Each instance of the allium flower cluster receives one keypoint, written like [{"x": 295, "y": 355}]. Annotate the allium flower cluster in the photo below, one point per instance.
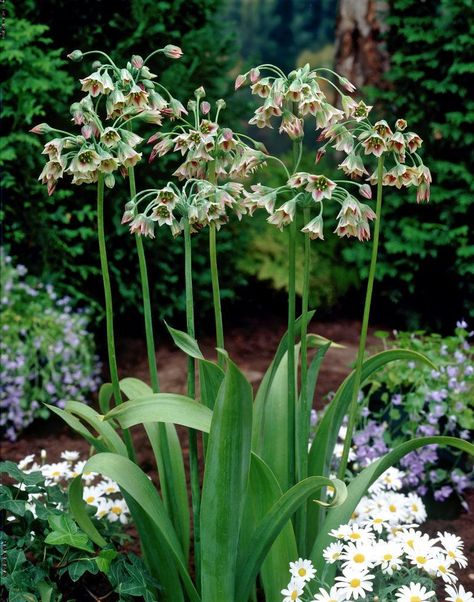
[
  {"x": 380, "y": 554},
  {"x": 199, "y": 202},
  {"x": 47, "y": 353},
  {"x": 99, "y": 492},
  {"x": 210, "y": 151},
  {"x": 105, "y": 143}
]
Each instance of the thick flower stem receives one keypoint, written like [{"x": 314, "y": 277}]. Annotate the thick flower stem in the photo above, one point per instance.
[
  {"x": 304, "y": 406},
  {"x": 365, "y": 325},
  {"x": 291, "y": 353},
  {"x": 193, "y": 448},
  {"x": 215, "y": 291},
  {"x": 150, "y": 341},
  {"x": 109, "y": 318}
]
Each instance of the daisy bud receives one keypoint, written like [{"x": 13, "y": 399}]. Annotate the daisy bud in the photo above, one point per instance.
[
  {"x": 401, "y": 124},
  {"x": 346, "y": 84},
  {"x": 366, "y": 191},
  {"x": 205, "y": 107},
  {"x": 254, "y": 75},
  {"x": 200, "y": 92},
  {"x": 43, "y": 454},
  {"x": 137, "y": 61},
  {"x": 172, "y": 52},
  {"x": 240, "y": 81},
  {"x": 75, "y": 55},
  {"x": 41, "y": 128},
  {"x": 221, "y": 104}
]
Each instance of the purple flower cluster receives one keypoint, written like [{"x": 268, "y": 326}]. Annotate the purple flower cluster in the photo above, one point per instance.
[
  {"x": 46, "y": 353},
  {"x": 369, "y": 443}
]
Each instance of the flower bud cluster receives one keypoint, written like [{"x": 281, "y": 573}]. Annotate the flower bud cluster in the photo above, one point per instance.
[
  {"x": 130, "y": 93},
  {"x": 206, "y": 143},
  {"x": 199, "y": 201}
]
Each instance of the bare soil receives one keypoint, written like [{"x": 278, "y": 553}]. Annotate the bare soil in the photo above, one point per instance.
[{"x": 252, "y": 346}]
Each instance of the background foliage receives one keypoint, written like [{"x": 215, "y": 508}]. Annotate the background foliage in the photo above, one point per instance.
[{"x": 426, "y": 263}]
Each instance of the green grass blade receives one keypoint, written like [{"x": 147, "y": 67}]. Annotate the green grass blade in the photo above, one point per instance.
[
  {"x": 225, "y": 484},
  {"x": 360, "y": 484},
  {"x": 272, "y": 524},
  {"x": 322, "y": 450},
  {"x": 162, "y": 407},
  {"x": 137, "y": 486}
]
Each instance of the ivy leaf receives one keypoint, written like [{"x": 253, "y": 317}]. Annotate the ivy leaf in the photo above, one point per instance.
[
  {"x": 83, "y": 565},
  {"x": 12, "y": 470},
  {"x": 17, "y": 507},
  {"x": 66, "y": 532}
]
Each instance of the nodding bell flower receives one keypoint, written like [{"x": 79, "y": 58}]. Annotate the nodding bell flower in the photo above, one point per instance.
[
  {"x": 374, "y": 144},
  {"x": 314, "y": 228},
  {"x": 143, "y": 225},
  {"x": 284, "y": 215},
  {"x": 353, "y": 166},
  {"x": 320, "y": 187},
  {"x": 291, "y": 125}
]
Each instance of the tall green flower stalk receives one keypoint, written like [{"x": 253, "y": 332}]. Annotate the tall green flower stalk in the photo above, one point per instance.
[
  {"x": 365, "y": 324},
  {"x": 109, "y": 308},
  {"x": 193, "y": 447},
  {"x": 216, "y": 296}
]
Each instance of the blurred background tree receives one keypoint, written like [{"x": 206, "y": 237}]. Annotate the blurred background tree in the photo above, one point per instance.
[{"x": 416, "y": 61}]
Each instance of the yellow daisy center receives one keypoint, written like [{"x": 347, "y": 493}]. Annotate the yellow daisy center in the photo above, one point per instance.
[
  {"x": 415, "y": 599},
  {"x": 452, "y": 555},
  {"x": 392, "y": 508},
  {"x": 294, "y": 595},
  {"x": 410, "y": 543},
  {"x": 414, "y": 507},
  {"x": 387, "y": 557},
  {"x": 354, "y": 583},
  {"x": 421, "y": 559},
  {"x": 56, "y": 473},
  {"x": 354, "y": 535},
  {"x": 301, "y": 572},
  {"x": 90, "y": 499},
  {"x": 359, "y": 558},
  {"x": 377, "y": 521},
  {"x": 116, "y": 510}
]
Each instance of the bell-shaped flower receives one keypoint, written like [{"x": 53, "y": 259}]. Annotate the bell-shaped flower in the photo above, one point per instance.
[{"x": 314, "y": 228}]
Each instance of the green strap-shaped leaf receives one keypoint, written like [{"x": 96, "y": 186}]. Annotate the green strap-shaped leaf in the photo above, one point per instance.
[
  {"x": 109, "y": 436},
  {"x": 169, "y": 461},
  {"x": 225, "y": 484},
  {"x": 263, "y": 492},
  {"x": 162, "y": 407},
  {"x": 360, "y": 484},
  {"x": 137, "y": 485},
  {"x": 210, "y": 379},
  {"x": 272, "y": 524},
  {"x": 322, "y": 450},
  {"x": 106, "y": 392},
  {"x": 77, "y": 426},
  {"x": 77, "y": 506},
  {"x": 185, "y": 342}
]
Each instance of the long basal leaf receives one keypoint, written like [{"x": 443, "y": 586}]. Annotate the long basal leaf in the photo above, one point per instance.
[
  {"x": 185, "y": 342},
  {"x": 162, "y": 407},
  {"x": 361, "y": 483},
  {"x": 79, "y": 512},
  {"x": 225, "y": 484},
  {"x": 272, "y": 524},
  {"x": 138, "y": 486},
  {"x": 322, "y": 449},
  {"x": 77, "y": 426},
  {"x": 169, "y": 460}
]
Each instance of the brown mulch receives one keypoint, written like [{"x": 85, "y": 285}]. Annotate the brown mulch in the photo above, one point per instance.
[{"x": 252, "y": 346}]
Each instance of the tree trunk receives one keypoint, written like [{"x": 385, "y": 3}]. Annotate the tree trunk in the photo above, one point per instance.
[{"x": 360, "y": 53}]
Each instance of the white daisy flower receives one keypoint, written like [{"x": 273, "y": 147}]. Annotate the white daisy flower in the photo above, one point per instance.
[
  {"x": 356, "y": 533},
  {"x": 333, "y": 552},
  {"x": 357, "y": 556},
  {"x": 27, "y": 460},
  {"x": 91, "y": 495},
  {"x": 411, "y": 537},
  {"x": 103, "y": 507},
  {"x": 334, "y": 595},
  {"x": 416, "y": 508},
  {"x": 55, "y": 472},
  {"x": 340, "y": 532},
  {"x": 439, "y": 566},
  {"x": 414, "y": 592},
  {"x": 70, "y": 456},
  {"x": 88, "y": 476},
  {"x": 354, "y": 584},
  {"x": 392, "y": 478},
  {"x": 389, "y": 556},
  {"x": 421, "y": 554},
  {"x": 118, "y": 511},
  {"x": 453, "y": 545},
  {"x": 108, "y": 487},
  {"x": 303, "y": 569},
  {"x": 458, "y": 594},
  {"x": 293, "y": 591}
]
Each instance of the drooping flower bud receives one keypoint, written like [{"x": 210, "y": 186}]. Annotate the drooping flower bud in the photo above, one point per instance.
[
  {"x": 96, "y": 64},
  {"x": 260, "y": 147},
  {"x": 205, "y": 107},
  {"x": 87, "y": 131},
  {"x": 75, "y": 55},
  {"x": 254, "y": 75},
  {"x": 366, "y": 191},
  {"x": 346, "y": 84},
  {"x": 41, "y": 128},
  {"x": 172, "y": 52},
  {"x": 221, "y": 104},
  {"x": 109, "y": 180},
  {"x": 200, "y": 92},
  {"x": 320, "y": 154},
  {"x": 137, "y": 61},
  {"x": 240, "y": 81}
]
